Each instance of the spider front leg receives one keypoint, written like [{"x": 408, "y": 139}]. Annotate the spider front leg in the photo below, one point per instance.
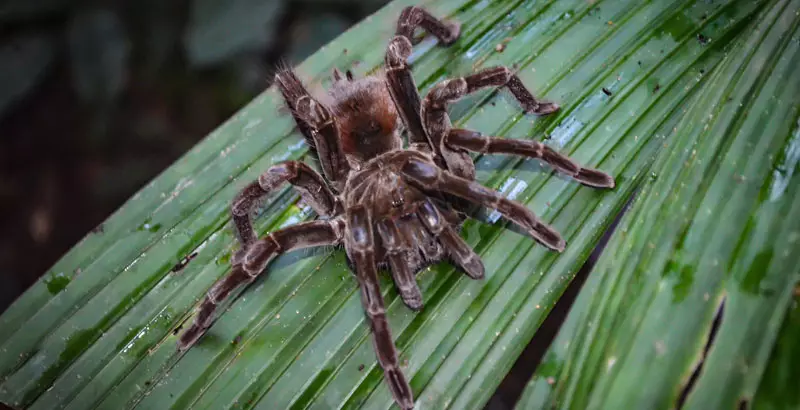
[
  {"x": 317, "y": 125},
  {"x": 360, "y": 246},
  {"x": 434, "y": 106},
  {"x": 428, "y": 176},
  {"x": 308, "y": 182},
  {"x": 402, "y": 87},
  {"x": 474, "y": 141},
  {"x": 257, "y": 257}
]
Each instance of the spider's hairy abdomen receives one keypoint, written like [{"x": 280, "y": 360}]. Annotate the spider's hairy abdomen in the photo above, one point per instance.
[{"x": 366, "y": 117}]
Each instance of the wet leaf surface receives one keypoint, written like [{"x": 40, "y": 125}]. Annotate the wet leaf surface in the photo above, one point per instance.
[{"x": 296, "y": 338}]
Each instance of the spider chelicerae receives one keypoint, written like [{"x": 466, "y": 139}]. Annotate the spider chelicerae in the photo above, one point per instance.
[{"x": 391, "y": 207}]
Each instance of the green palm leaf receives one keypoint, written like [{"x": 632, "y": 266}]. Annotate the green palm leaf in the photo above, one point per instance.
[
  {"x": 686, "y": 302},
  {"x": 99, "y": 330}
]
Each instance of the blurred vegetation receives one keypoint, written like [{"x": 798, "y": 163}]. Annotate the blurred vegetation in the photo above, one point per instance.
[{"x": 97, "y": 98}]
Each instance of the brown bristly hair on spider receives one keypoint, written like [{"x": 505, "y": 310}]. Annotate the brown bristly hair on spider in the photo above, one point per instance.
[{"x": 393, "y": 207}]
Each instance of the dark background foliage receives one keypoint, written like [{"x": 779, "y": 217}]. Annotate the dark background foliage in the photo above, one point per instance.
[{"x": 97, "y": 98}]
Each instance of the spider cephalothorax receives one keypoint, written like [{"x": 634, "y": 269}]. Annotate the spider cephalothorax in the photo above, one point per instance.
[{"x": 391, "y": 207}]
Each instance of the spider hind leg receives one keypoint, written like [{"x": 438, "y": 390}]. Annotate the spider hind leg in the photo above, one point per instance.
[
  {"x": 256, "y": 258},
  {"x": 474, "y": 141}
]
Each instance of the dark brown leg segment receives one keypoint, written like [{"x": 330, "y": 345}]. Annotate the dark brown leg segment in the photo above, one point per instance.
[
  {"x": 462, "y": 254},
  {"x": 430, "y": 177},
  {"x": 316, "y": 124},
  {"x": 398, "y": 74},
  {"x": 258, "y": 255},
  {"x": 311, "y": 185},
  {"x": 413, "y": 17},
  {"x": 474, "y": 141},
  {"x": 434, "y": 106},
  {"x": 360, "y": 246},
  {"x": 398, "y": 252},
  {"x": 458, "y": 250},
  {"x": 437, "y": 121},
  {"x": 451, "y": 90}
]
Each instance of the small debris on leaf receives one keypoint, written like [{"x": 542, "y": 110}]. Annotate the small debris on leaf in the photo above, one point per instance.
[
  {"x": 500, "y": 47},
  {"x": 185, "y": 261}
]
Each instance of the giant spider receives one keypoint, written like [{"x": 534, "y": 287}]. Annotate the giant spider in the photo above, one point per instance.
[{"x": 391, "y": 207}]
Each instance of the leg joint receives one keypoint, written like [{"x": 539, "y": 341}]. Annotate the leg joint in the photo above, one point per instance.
[
  {"x": 409, "y": 19},
  {"x": 467, "y": 139},
  {"x": 259, "y": 255},
  {"x": 277, "y": 174},
  {"x": 425, "y": 173},
  {"x": 397, "y": 53},
  {"x": 447, "y": 91},
  {"x": 490, "y": 77}
]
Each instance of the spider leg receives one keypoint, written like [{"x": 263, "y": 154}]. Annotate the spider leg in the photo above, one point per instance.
[
  {"x": 398, "y": 73},
  {"x": 434, "y": 105},
  {"x": 360, "y": 246},
  {"x": 458, "y": 250},
  {"x": 398, "y": 254},
  {"x": 316, "y": 124},
  {"x": 474, "y": 141},
  {"x": 430, "y": 177},
  {"x": 453, "y": 89},
  {"x": 308, "y": 182},
  {"x": 412, "y": 17},
  {"x": 259, "y": 254},
  {"x": 437, "y": 121},
  {"x": 426, "y": 242}
]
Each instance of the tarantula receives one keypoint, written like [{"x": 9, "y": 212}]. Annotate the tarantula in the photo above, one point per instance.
[{"x": 391, "y": 207}]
